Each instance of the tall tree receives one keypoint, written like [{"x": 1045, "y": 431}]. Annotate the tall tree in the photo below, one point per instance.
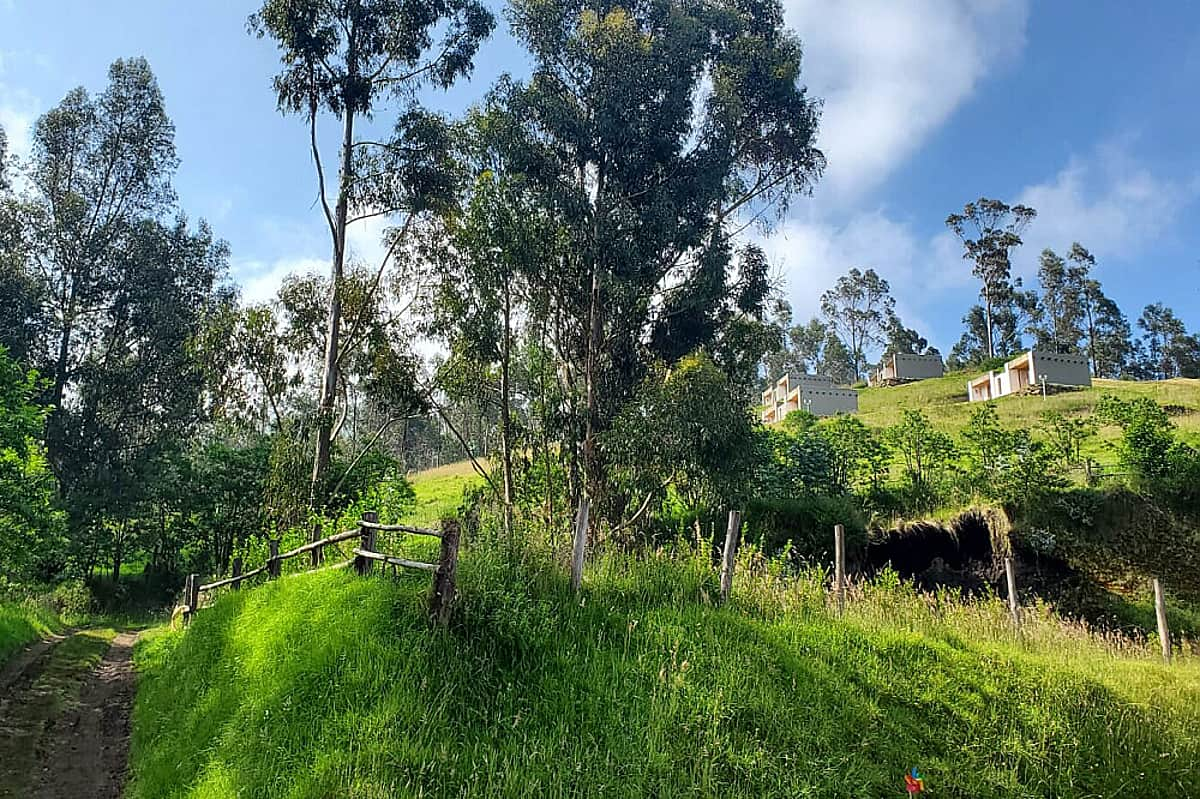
[
  {"x": 654, "y": 133},
  {"x": 858, "y": 309},
  {"x": 99, "y": 165},
  {"x": 1057, "y": 323},
  {"x": 1011, "y": 310},
  {"x": 1171, "y": 351},
  {"x": 345, "y": 58},
  {"x": 800, "y": 345},
  {"x": 904, "y": 340},
  {"x": 1105, "y": 329},
  {"x": 989, "y": 230}
]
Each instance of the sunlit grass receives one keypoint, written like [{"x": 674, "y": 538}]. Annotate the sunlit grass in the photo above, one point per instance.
[
  {"x": 333, "y": 685},
  {"x": 22, "y": 621}
]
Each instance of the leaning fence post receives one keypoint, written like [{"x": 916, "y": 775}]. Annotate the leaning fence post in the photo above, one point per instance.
[
  {"x": 273, "y": 558},
  {"x": 1014, "y": 607},
  {"x": 237, "y": 571},
  {"x": 366, "y": 542},
  {"x": 1160, "y": 611},
  {"x": 317, "y": 554},
  {"x": 839, "y": 566},
  {"x": 442, "y": 596},
  {"x": 732, "y": 534},
  {"x": 580, "y": 544}
]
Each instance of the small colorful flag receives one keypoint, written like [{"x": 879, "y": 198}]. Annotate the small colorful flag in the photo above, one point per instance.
[{"x": 913, "y": 782}]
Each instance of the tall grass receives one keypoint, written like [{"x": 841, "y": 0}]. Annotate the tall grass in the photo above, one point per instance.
[
  {"x": 22, "y": 621},
  {"x": 332, "y": 685}
]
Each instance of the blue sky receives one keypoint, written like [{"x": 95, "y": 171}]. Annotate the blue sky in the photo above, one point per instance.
[{"x": 1089, "y": 111}]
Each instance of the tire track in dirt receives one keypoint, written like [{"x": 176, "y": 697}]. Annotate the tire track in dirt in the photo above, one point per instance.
[{"x": 65, "y": 719}]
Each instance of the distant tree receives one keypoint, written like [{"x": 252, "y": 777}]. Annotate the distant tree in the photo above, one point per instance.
[
  {"x": 858, "y": 309},
  {"x": 989, "y": 230},
  {"x": 905, "y": 340},
  {"x": 1011, "y": 308},
  {"x": 1058, "y": 318},
  {"x": 1171, "y": 351},
  {"x": 1105, "y": 329},
  {"x": 799, "y": 345},
  {"x": 344, "y": 58},
  {"x": 836, "y": 361}
]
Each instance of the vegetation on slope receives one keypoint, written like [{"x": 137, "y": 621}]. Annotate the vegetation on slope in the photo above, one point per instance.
[
  {"x": 329, "y": 684},
  {"x": 22, "y": 621},
  {"x": 944, "y": 401}
]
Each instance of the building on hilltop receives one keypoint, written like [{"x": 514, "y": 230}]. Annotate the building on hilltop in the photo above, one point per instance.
[
  {"x": 1031, "y": 371},
  {"x": 813, "y": 393},
  {"x": 902, "y": 367}
]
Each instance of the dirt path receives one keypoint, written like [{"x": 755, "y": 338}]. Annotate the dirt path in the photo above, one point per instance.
[{"x": 64, "y": 717}]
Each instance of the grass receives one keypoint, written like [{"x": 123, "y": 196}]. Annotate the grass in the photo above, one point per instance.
[
  {"x": 332, "y": 685},
  {"x": 944, "y": 400},
  {"x": 439, "y": 491},
  {"x": 22, "y": 621}
]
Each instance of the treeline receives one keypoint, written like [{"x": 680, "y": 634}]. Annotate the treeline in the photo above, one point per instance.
[{"x": 1067, "y": 313}]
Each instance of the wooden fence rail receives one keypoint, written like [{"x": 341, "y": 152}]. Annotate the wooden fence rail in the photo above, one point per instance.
[{"x": 365, "y": 554}]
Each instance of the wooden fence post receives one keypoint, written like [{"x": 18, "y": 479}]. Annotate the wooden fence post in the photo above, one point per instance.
[
  {"x": 237, "y": 571},
  {"x": 318, "y": 553},
  {"x": 367, "y": 542},
  {"x": 1014, "y": 606},
  {"x": 187, "y": 597},
  {"x": 732, "y": 534},
  {"x": 273, "y": 559},
  {"x": 1160, "y": 611},
  {"x": 839, "y": 566},
  {"x": 580, "y": 545},
  {"x": 442, "y": 596}
]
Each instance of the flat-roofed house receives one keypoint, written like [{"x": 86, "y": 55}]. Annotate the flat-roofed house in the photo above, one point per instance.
[
  {"x": 902, "y": 367},
  {"x": 1030, "y": 370},
  {"x": 814, "y": 393}
]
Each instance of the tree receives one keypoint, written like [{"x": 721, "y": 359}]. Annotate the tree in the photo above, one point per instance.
[
  {"x": 1011, "y": 308},
  {"x": 904, "y": 340},
  {"x": 926, "y": 454},
  {"x": 1103, "y": 326},
  {"x": 345, "y": 58},
  {"x": 99, "y": 165},
  {"x": 799, "y": 345},
  {"x": 989, "y": 230},
  {"x": 858, "y": 308},
  {"x": 1057, "y": 323},
  {"x": 654, "y": 134},
  {"x": 1171, "y": 351}
]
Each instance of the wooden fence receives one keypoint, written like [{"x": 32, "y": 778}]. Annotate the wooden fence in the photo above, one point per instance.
[{"x": 366, "y": 554}]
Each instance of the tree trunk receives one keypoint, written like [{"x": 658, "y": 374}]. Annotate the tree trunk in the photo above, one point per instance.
[
  {"x": 987, "y": 315},
  {"x": 333, "y": 329},
  {"x": 506, "y": 414}
]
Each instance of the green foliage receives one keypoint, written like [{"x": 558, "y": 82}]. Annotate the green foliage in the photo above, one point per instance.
[
  {"x": 32, "y": 528},
  {"x": 23, "y": 620},
  {"x": 1009, "y": 466},
  {"x": 328, "y": 684},
  {"x": 926, "y": 454}
]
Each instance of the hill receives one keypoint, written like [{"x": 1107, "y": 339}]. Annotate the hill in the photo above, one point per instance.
[
  {"x": 944, "y": 400},
  {"x": 328, "y": 684}
]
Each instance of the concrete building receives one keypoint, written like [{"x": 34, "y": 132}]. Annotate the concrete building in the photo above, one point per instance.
[
  {"x": 905, "y": 368},
  {"x": 813, "y": 393},
  {"x": 1029, "y": 371}
]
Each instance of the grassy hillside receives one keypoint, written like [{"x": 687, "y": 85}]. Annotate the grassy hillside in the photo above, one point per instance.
[
  {"x": 439, "y": 491},
  {"x": 22, "y": 621},
  {"x": 332, "y": 685},
  {"x": 944, "y": 400}
]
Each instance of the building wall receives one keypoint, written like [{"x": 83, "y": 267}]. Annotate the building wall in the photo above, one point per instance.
[
  {"x": 1061, "y": 370},
  {"x": 917, "y": 367},
  {"x": 791, "y": 393},
  {"x": 829, "y": 401}
]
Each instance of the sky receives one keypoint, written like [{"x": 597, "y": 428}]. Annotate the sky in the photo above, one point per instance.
[{"x": 1087, "y": 110}]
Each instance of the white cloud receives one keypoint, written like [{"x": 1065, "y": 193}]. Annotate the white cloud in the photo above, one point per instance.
[
  {"x": 892, "y": 72},
  {"x": 1110, "y": 202}
]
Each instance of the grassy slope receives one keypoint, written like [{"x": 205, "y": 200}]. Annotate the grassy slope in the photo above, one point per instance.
[
  {"x": 332, "y": 685},
  {"x": 22, "y": 622},
  {"x": 439, "y": 491},
  {"x": 944, "y": 400}
]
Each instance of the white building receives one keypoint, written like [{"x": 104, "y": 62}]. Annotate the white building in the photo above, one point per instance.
[
  {"x": 813, "y": 393},
  {"x": 1029, "y": 371},
  {"x": 905, "y": 368}
]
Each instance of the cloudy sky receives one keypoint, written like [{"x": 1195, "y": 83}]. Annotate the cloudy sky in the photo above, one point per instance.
[{"x": 1087, "y": 110}]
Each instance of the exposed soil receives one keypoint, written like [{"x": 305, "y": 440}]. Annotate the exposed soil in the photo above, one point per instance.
[{"x": 64, "y": 717}]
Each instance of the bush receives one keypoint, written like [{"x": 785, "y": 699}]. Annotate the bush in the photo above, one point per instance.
[
  {"x": 71, "y": 599},
  {"x": 806, "y": 522}
]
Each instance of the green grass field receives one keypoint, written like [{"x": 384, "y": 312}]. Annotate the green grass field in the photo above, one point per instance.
[
  {"x": 944, "y": 401},
  {"x": 333, "y": 685},
  {"x": 439, "y": 491}
]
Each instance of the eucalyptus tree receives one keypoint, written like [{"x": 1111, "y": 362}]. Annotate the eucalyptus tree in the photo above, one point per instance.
[
  {"x": 858, "y": 308},
  {"x": 1058, "y": 318},
  {"x": 989, "y": 230},
  {"x": 347, "y": 58},
  {"x": 99, "y": 166},
  {"x": 655, "y": 133}
]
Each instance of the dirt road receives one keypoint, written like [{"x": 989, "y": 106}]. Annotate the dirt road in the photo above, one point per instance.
[{"x": 64, "y": 717}]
